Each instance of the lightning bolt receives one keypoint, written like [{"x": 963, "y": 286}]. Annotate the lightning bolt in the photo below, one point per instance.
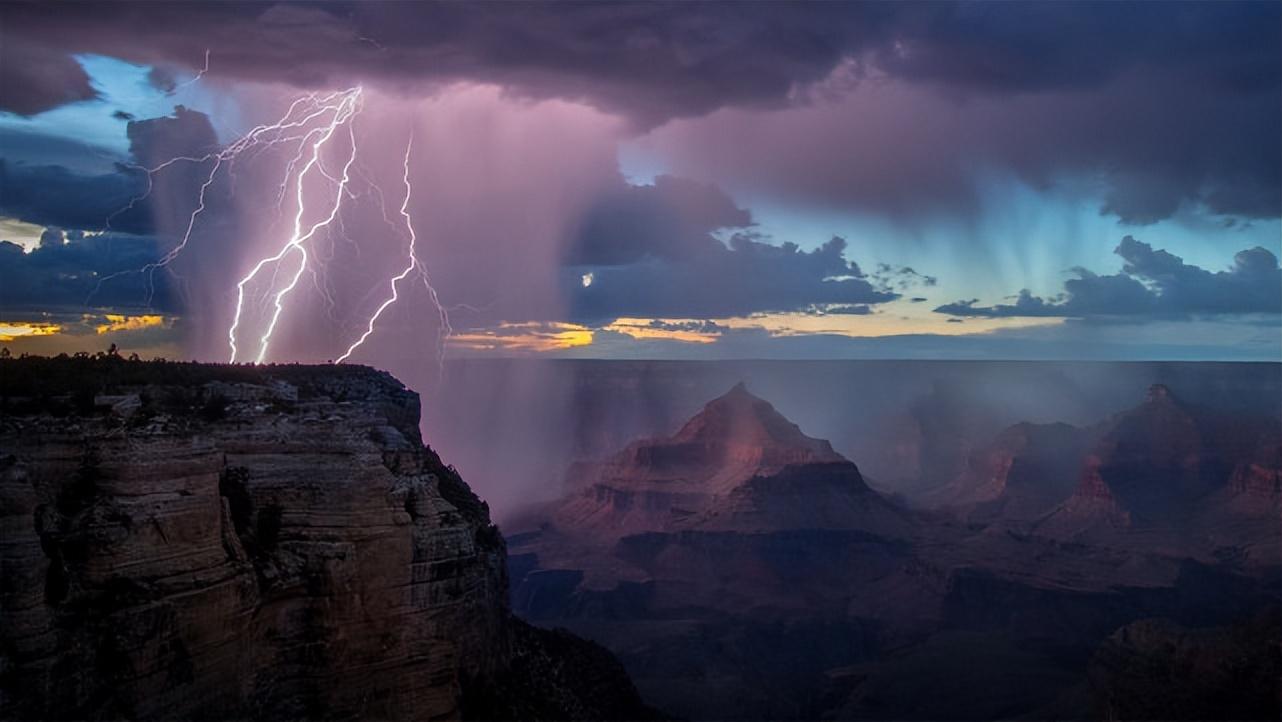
[
  {"x": 413, "y": 264},
  {"x": 311, "y": 128},
  {"x": 347, "y": 108},
  {"x": 261, "y": 136},
  {"x": 199, "y": 74},
  {"x": 409, "y": 268}
]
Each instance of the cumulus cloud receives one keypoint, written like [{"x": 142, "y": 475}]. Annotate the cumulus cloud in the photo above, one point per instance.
[{"x": 1152, "y": 283}]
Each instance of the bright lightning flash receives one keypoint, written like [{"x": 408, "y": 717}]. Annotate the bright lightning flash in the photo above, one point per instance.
[
  {"x": 348, "y": 105},
  {"x": 410, "y": 267},
  {"x": 311, "y": 129}
]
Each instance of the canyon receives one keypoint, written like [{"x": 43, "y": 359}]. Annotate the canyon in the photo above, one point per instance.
[
  {"x": 742, "y": 569},
  {"x": 1033, "y": 541}
]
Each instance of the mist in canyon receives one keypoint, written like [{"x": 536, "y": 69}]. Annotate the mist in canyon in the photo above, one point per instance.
[{"x": 514, "y": 426}]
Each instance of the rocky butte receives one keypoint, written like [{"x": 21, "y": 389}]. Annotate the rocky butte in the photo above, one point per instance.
[{"x": 185, "y": 541}]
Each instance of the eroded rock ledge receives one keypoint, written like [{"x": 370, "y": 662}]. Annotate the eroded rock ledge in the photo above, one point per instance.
[{"x": 198, "y": 541}]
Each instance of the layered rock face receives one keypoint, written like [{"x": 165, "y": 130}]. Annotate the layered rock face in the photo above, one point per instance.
[{"x": 218, "y": 542}]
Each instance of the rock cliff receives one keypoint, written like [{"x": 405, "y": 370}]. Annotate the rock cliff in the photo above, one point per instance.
[{"x": 188, "y": 541}]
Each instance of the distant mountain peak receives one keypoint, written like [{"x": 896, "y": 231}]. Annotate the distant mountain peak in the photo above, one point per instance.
[
  {"x": 737, "y": 464},
  {"x": 740, "y": 418}
]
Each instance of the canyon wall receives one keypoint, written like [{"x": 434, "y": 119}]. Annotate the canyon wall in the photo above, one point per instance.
[{"x": 185, "y": 541}]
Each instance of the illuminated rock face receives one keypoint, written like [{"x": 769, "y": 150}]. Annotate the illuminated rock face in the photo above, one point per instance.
[{"x": 290, "y": 550}]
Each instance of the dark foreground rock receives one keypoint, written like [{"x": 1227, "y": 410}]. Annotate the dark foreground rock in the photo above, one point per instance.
[
  {"x": 1157, "y": 669},
  {"x": 205, "y": 542}
]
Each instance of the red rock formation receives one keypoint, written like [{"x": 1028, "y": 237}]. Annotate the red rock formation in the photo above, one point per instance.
[{"x": 738, "y": 464}]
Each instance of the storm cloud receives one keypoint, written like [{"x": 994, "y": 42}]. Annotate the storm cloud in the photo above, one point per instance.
[
  {"x": 66, "y": 269},
  {"x": 120, "y": 199},
  {"x": 761, "y": 124},
  {"x": 671, "y": 219},
  {"x": 655, "y": 61},
  {"x": 36, "y": 77},
  {"x": 1171, "y": 104}
]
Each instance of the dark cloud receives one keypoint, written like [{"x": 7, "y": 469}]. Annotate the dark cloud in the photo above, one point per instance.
[
  {"x": 671, "y": 219},
  {"x": 185, "y": 133},
  {"x": 650, "y": 61},
  {"x": 655, "y": 60},
  {"x": 704, "y": 326},
  {"x": 35, "y": 77},
  {"x": 115, "y": 223},
  {"x": 162, "y": 79},
  {"x": 1153, "y": 283},
  {"x": 1146, "y": 145},
  {"x": 901, "y": 278},
  {"x": 54, "y": 195},
  {"x": 652, "y": 251},
  {"x": 1168, "y": 103},
  {"x": 748, "y": 276},
  {"x": 65, "y": 271},
  {"x": 861, "y": 309},
  {"x": 1031, "y": 47}
]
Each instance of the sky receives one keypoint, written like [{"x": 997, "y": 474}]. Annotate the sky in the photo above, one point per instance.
[{"x": 397, "y": 183}]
